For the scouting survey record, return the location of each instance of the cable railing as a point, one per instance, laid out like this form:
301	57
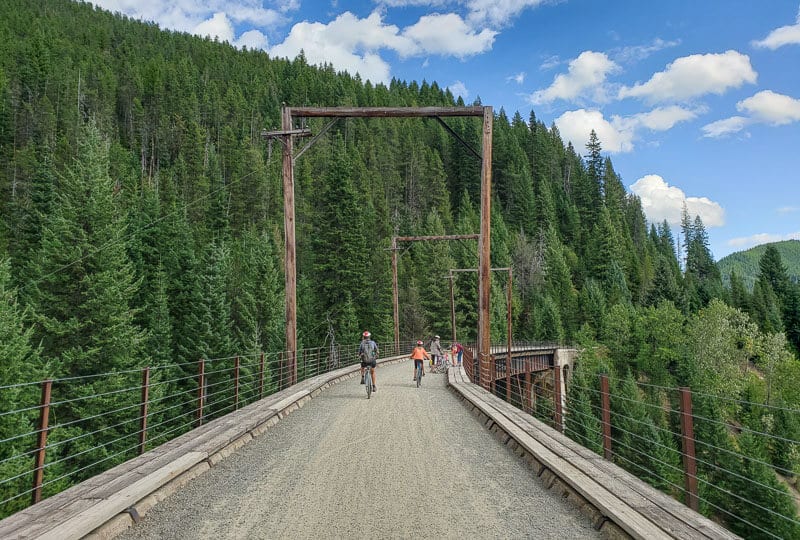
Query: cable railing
731	470
85	424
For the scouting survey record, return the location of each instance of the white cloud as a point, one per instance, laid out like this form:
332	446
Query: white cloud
252	39
785	35
447	35
186	15
660	202
694	76
217	26
459	89
618	134
586	72
575	126
519	78
724	127
771	108
497	13
746	242
788	209
353	44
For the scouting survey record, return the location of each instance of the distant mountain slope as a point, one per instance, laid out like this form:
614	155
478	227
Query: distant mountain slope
746	262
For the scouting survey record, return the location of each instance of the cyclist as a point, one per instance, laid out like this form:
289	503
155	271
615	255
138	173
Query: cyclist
368	353
418	354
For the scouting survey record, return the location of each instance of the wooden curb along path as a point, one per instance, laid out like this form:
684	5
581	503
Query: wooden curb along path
618	503
107	504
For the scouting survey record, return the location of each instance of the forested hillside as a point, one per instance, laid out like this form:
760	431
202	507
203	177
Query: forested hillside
141	224
746	263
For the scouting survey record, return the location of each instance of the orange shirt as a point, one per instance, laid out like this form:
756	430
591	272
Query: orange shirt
418	353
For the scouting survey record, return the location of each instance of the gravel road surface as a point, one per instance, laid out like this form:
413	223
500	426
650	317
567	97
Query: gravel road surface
408	463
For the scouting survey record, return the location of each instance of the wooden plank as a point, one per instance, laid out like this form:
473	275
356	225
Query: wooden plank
383	112
627	518
89	519
670	514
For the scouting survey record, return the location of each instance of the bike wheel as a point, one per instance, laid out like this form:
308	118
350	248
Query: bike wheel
368	383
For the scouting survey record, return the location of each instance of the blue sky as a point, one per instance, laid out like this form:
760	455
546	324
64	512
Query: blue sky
696	102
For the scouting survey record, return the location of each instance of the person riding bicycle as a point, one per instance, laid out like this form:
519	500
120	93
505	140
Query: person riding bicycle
418	354
368	353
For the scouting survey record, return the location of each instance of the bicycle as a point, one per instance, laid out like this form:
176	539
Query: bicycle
442	366
368	382
418	375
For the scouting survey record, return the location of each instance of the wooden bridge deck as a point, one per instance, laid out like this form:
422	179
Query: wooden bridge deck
617	503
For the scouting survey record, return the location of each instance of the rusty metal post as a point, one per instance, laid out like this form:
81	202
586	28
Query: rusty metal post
395	294
261	377
605	407
41	443
557	399
452	306
689	460
485	242
290	255
201	382
236	384
526	406
143	409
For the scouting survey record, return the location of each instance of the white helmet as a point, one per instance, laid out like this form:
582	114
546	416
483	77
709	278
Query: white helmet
366	334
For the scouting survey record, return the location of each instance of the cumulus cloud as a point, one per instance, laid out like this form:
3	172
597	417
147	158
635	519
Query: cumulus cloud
447	35
746	242
353	44
660	202
459	89
187	15
586	72
575	126
217	26
785	35
771	108
765	107
617	135
693	76
252	39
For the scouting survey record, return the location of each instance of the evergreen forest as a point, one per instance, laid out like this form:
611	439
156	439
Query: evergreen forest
141	217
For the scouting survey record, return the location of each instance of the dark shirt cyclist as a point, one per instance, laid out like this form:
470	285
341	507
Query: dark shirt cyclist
368	353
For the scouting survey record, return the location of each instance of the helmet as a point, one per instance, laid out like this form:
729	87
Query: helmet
436	337
419	342
366	334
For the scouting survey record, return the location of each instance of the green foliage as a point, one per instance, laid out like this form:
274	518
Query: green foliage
747	263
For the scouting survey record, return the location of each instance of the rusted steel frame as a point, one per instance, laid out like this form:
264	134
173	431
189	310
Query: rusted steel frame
605	408
458	137
395	288
451	277
395	295
143	409
557	399
316	137
508	347
41	440
201	382
280	134
689	461
290	255
385	112
236	384
435	238
484	259
261	377
527	403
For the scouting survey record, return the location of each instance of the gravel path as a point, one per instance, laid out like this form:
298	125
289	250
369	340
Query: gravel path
408	463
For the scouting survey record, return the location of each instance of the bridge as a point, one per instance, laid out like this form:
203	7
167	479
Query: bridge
317	459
